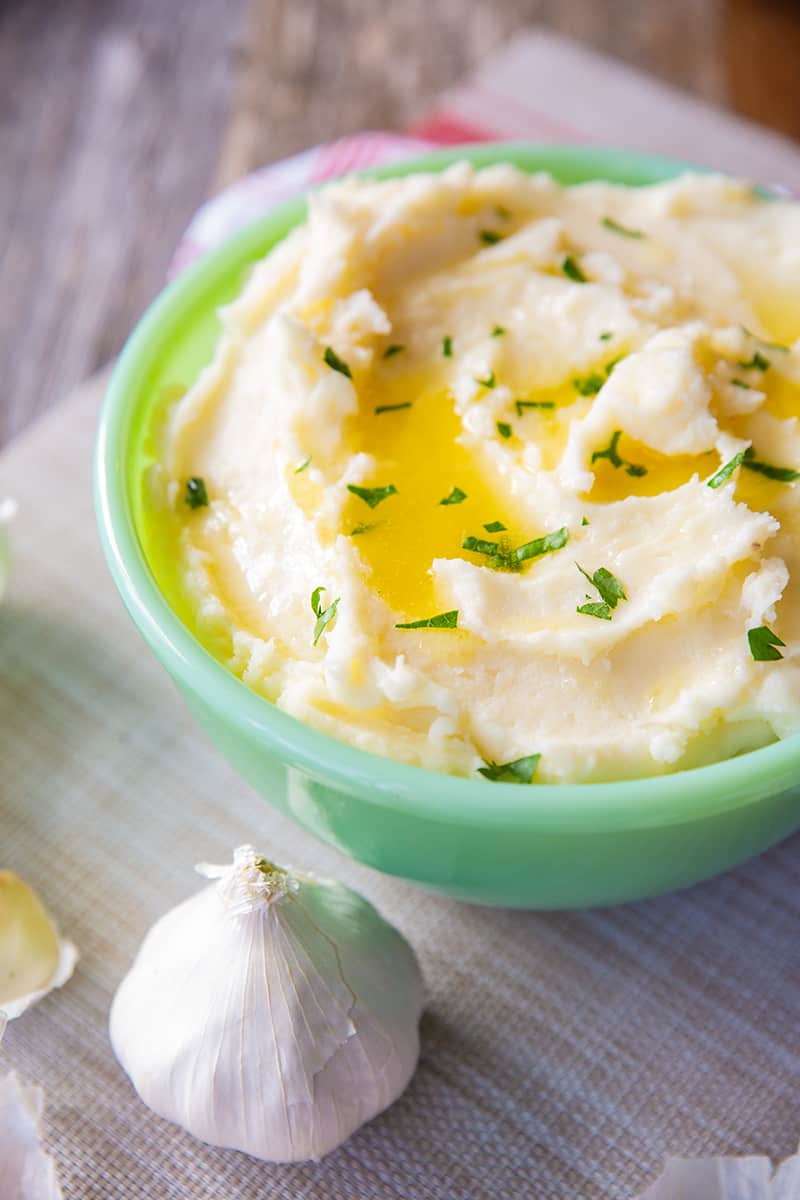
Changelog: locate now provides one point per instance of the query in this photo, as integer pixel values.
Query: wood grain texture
(118, 117)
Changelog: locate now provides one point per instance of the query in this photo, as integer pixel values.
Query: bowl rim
(680, 797)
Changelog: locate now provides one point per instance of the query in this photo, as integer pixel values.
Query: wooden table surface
(118, 117)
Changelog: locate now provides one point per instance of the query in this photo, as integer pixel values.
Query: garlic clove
(725, 1179)
(287, 1012)
(33, 957)
(26, 1172)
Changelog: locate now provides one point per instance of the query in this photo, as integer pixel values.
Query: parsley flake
(610, 589)
(624, 230)
(613, 456)
(521, 405)
(390, 351)
(489, 237)
(740, 383)
(503, 558)
(595, 608)
(606, 335)
(489, 382)
(778, 474)
(372, 496)
(572, 270)
(504, 429)
(445, 620)
(764, 644)
(584, 521)
(384, 408)
(543, 545)
(447, 347)
(196, 494)
(521, 770)
(303, 465)
(498, 331)
(363, 528)
(495, 527)
(335, 363)
(588, 385)
(724, 473)
(324, 615)
(480, 546)
(455, 497)
(756, 363)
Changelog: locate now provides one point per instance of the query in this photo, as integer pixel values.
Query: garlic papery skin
(34, 958)
(726, 1179)
(272, 1012)
(26, 1172)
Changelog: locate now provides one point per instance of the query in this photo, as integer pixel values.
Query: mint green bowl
(542, 846)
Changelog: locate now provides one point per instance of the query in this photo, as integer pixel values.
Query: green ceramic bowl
(542, 846)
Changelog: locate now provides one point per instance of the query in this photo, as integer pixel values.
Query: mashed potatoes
(486, 469)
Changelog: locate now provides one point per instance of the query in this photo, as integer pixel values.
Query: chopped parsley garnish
(724, 473)
(584, 520)
(521, 405)
(606, 335)
(613, 456)
(196, 494)
(324, 615)
(740, 383)
(361, 527)
(445, 620)
(572, 270)
(779, 474)
(595, 608)
(455, 497)
(447, 347)
(503, 558)
(610, 589)
(372, 496)
(302, 466)
(488, 382)
(542, 545)
(498, 331)
(495, 527)
(390, 351)
(480, 546)
(382, 408)
(589, 385)
(764, 644)
(756, 363)
(336, 363)
(504, 429)
(615, 227)
(521, 770)
(489, 237)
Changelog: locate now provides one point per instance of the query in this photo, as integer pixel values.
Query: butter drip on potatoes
(485, 468)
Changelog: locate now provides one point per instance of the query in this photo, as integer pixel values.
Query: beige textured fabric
(563, 1054)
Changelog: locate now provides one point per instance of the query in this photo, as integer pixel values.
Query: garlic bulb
(272, 1012)
(7, 510)
(26, 1172)
(726, 1179)
(34, 959)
